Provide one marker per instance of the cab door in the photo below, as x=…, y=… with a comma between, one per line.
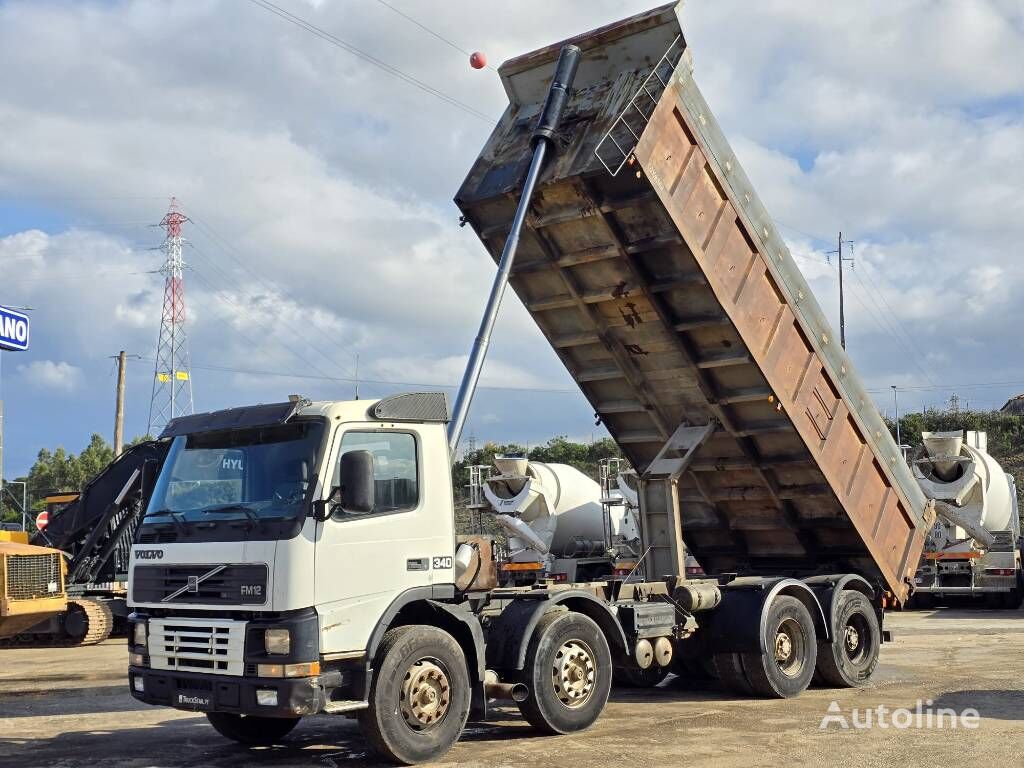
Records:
x=364, y=561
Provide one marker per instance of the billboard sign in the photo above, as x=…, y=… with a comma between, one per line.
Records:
x=13, y=330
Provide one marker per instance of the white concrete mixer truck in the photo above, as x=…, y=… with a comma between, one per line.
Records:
x=973, y=549
x=561, y=524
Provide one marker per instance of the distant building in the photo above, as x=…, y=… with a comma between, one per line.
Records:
x=1014, y=405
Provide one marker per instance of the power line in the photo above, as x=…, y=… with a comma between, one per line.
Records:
x=426, y=29
x=222, y=297
x=879, y=320
x=382, y=382
x=270, y=285
x=297, y=333
x=391, y=70
x=548, y=390
x=908, y=349
x=892, y=312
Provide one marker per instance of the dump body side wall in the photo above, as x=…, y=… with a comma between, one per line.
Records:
x=809, y=376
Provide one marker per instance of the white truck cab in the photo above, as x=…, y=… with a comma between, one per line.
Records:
x=240, y=521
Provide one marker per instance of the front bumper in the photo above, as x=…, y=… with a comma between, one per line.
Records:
x=224, y=693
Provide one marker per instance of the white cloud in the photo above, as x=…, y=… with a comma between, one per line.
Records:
x=320, y=187
x=56, y=376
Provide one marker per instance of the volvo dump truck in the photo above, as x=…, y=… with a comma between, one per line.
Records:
x=301, y=558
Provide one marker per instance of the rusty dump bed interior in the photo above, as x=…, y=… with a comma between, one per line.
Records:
x=653, y=270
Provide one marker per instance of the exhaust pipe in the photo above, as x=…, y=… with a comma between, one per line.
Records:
x=494, y=689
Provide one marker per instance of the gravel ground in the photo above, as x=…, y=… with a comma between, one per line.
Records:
x=70, y=707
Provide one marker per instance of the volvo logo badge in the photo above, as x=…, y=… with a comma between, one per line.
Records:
x=193, y=582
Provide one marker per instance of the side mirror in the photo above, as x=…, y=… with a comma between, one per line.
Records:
x=324, y=508
x=357, y=483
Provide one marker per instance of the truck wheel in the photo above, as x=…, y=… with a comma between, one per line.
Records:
x=569, y=673
x=849, y=659
x=419, y=697
x=634, y=677
x=251, y=730
x=786, y=669
x=1013, y=599
x=691, y=670
x=729, y=669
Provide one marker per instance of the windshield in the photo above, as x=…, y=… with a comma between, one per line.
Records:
x=251, y=474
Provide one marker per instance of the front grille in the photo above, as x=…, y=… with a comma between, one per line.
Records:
x=197, y=645
x=30, y=577
x=153, y=535
x=235, y=584
x=1003, y=541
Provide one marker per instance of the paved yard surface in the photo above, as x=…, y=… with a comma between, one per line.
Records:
x=70, y=707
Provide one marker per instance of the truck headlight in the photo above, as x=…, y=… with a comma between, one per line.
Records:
x=277, y=641
x=139, y=633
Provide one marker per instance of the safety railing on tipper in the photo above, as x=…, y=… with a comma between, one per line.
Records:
x=621, y=138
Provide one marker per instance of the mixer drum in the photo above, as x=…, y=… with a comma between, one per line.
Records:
x=965, y=475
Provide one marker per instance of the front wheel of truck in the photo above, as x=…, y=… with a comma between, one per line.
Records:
x=252, y=730
x=420, y=695
x=569, y=673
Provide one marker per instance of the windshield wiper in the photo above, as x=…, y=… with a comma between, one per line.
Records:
x=244, y=509
x=176, y=517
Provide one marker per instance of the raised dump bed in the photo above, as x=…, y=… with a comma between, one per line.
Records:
x=654, y=271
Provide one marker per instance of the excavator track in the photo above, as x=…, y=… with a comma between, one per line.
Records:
x=87, y=622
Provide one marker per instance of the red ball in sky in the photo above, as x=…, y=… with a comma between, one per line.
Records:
x=477, y=60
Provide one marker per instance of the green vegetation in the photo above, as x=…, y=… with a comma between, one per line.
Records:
x=58, y=470
x=557, y=450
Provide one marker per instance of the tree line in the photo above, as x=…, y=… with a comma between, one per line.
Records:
x=62, y=470
x=57, y=471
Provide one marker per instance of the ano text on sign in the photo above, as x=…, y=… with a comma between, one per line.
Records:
x=13, y=330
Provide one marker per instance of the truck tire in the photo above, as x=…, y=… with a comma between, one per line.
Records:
x=729, y=669
x=850, y=658
x=419, y=697
x=252, y=730
x=788, y=666
x=693, y=670
x=634, y=677
x=568, y=672
x=1013, y=599
x=86, y=622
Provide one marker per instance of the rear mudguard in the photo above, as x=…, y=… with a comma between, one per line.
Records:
x=738, y=624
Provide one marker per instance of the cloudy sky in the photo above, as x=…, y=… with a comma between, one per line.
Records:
x=319, y=188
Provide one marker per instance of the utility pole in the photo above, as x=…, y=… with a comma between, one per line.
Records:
x=357, y=375
x=896, y=406
x=122, y=362
x=842, y=309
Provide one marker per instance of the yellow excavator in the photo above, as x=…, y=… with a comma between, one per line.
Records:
x=31, y=583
